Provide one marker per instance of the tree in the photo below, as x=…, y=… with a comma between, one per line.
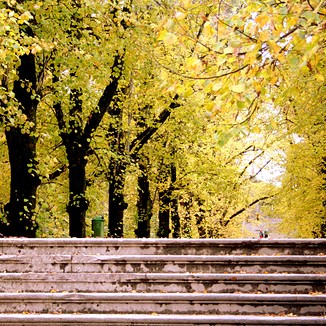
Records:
x=144, y=201
x=301, y=201
x=19, y=101
x=75, y=94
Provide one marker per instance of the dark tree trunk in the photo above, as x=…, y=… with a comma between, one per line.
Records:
x=164, y=203
x=175, y=218
x=78, y=204
x=22, y=156
x=116, y=172
x=144, y=204
x=200, y=220
x=76, y=146
x=117, y=204
x=120, y=160
x=186, y=223
x=23, y=184
x=164, y=214
x=323, y=224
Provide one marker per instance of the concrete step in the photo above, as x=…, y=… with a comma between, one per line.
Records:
x=162, y=263
x=163, y=282
x=153, y=319
x=163, y=246
x=164, y=303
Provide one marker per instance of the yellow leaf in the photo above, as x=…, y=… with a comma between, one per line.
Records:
x=35, y=48
x=239, y=88
x=262, y=19
x=256, y=130
x=161, y=35
x=185, y=3
x=26, y=16
x=216, y=87
x=275, y=48
x=228, y=50
x=209, y=31
x=320, y=77
x=291, y=21
x=264, y=36
x=170, y=39
x=180, y=15
x=192, y=63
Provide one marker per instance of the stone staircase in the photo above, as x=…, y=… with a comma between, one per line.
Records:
x=162, y=282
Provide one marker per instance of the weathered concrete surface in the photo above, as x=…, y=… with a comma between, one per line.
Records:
x=163, y=246
x=163, y=303
x=163, y=282
x=145, y=319
x=162, y=263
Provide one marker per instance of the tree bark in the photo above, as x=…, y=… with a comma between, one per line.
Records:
x=175, y=218
x=323, y=218
x=22, y=156
x=200, y=220
x=164, y=203
x=116, y=172
x=144, y=204
x=186, y=203
x=117, y=204
x=78, y=204
x=164, y=214
x=23, y=185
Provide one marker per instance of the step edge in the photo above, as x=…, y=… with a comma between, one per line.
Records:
x=155, y=318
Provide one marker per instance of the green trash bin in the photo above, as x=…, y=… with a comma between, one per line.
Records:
x=98, y=227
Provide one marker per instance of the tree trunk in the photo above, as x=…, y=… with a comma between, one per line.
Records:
x=76, y=146
x=186, y=203
x=116, y=172
x=164, y=214
x=323, y=224
x=120, y=160
x=22, y=156
x=144, y=204
x=78, y=204
x=200, y=220
x=117, y=204
x=175, y=218
x=23, y=184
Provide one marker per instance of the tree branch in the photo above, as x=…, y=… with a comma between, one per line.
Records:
x=105, y=101
x=316, y=9
x=201, y=78
x=246, y=150
x=245, y=208
x=263, y=167
x=250, y=163
x=138, y=143
x=60, y=119
x=55, y=174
